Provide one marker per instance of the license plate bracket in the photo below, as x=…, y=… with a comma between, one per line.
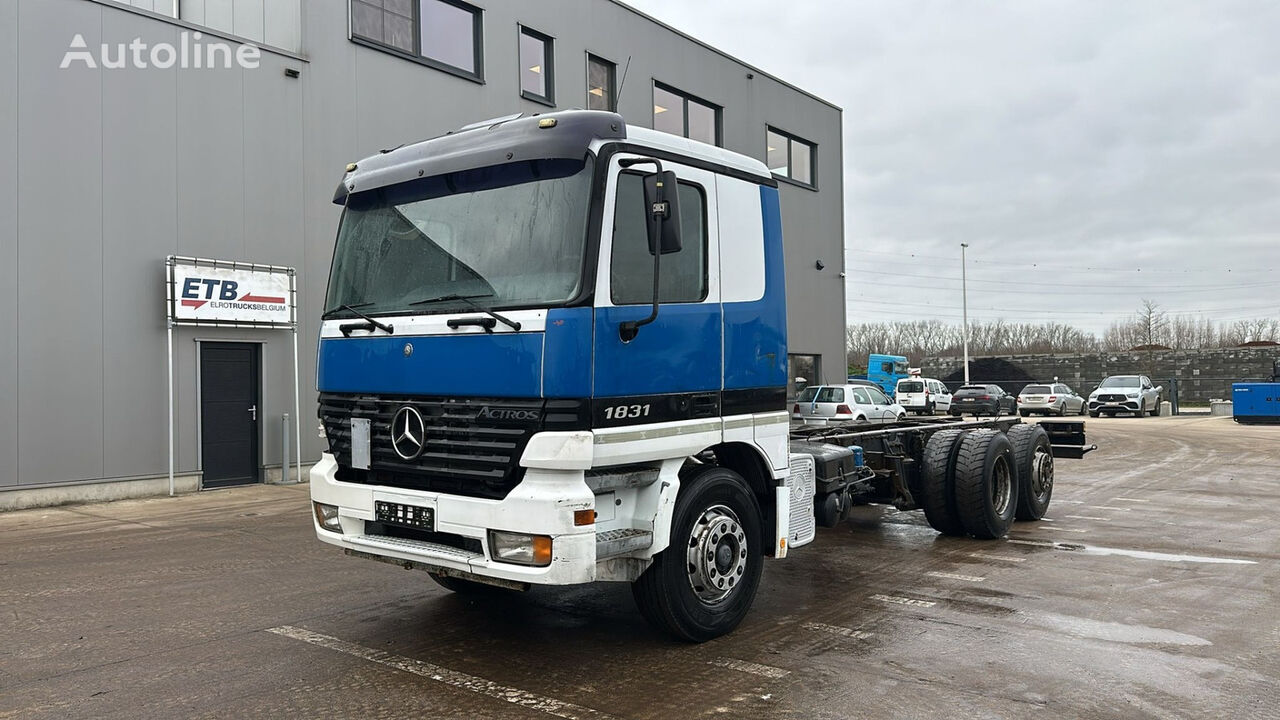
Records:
x=411, y=516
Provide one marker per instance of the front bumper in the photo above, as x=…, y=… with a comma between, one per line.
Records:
x=1126, y=406
x=542, y=504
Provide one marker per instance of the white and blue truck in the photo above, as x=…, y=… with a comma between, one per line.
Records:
x=554, y=351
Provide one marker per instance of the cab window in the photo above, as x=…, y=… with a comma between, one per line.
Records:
x=683, y=274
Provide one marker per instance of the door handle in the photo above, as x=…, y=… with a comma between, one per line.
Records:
x=253, y=411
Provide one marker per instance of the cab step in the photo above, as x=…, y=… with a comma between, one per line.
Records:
x=612, y=543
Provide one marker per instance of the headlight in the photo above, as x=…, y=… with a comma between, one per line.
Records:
x=520, y=549
x=327, y=516
x=1132, y=395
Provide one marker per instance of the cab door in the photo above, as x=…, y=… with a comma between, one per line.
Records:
x=671, y=369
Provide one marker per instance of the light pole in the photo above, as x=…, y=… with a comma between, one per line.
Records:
x=964, y=300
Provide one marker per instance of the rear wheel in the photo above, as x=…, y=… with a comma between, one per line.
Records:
x=1155, y=411
x=1033, y=458
x=702, y=585
x=938, y=499
x=986, y=484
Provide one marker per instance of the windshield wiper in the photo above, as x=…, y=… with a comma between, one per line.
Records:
x=514, y=325
x=369, y=323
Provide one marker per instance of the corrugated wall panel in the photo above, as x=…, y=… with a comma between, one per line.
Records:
x=9, y=48
x=60, y=276
x=139, y=228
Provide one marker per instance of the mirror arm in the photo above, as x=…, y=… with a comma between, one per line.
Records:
x=628, y=330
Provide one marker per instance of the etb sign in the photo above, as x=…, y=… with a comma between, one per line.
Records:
x=219, y=292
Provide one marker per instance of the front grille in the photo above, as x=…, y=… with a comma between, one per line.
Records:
x=1111, y=398
x=472, y=446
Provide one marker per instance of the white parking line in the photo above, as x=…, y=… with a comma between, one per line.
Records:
x=1001, y=558
x=1072, y=502
x=1111, y=507
x=1124, y=499
x=453, y=678
x=955, y=576
x=749, y=667
x=836, y=630
x=1139, y=554
x=1036, y=543
x=1087, y=517
x=899, y=600
x=1064, y=529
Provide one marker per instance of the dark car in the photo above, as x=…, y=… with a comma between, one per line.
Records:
x=983, y=400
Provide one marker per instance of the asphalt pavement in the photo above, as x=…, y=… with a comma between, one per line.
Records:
x=1148, y=591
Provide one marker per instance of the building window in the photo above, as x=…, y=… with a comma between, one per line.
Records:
x=272, y=23
x=789, y=157
x=537, y=67
x=678, y=113
x=683, y=276
x=803, y=371
x=600, y=87
x=445, y=34
x=387, y=22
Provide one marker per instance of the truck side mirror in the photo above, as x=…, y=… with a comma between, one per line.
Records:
x=662, y=212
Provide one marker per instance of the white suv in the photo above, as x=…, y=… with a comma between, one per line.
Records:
x=923, y=395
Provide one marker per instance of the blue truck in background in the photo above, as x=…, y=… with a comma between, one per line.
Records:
x=554, y=351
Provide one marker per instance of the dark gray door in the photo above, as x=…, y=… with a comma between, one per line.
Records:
x=229, y=411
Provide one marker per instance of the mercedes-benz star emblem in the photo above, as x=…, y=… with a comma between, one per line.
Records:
x=408, y=433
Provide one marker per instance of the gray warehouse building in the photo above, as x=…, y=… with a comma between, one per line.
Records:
x=136, y=130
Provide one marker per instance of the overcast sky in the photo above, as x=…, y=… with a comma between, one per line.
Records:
x=1091, y=153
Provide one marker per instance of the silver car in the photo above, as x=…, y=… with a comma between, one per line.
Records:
x=1125, y=393
x=835, y=404
x=1049, y=399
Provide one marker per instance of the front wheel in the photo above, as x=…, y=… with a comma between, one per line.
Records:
x=703, y=584
x=1155, y=411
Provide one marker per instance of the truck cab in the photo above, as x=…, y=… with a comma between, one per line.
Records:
x=554, y=352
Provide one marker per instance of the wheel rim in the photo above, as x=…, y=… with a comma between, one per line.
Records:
x=1001, y=486
x=1041, y=475
x=717, y=554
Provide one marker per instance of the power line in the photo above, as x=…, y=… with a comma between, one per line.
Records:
x=1080, y=286
x=1069, y=268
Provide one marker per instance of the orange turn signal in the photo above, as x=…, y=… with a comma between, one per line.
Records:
x=584, y=517
x=541, y=550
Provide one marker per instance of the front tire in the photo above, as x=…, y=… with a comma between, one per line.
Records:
x=986, y=484
x=1155, y=411
x=703, y=584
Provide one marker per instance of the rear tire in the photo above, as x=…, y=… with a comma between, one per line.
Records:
x=1155, y=411
x=702, y=585
x=1033, y=458
x=938, y=486
x=986, y=484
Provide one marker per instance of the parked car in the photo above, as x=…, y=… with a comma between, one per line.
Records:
x=1049, y=399
x=982, y=400
x=833, y=404
x=1125, y=393
x=923, y=395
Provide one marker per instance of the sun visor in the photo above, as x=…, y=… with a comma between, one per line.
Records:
x=557, y=136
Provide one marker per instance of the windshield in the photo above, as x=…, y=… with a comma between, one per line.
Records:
x=1036, y=390
x=910, y=386
x=1121, y=381
x=510, y=235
